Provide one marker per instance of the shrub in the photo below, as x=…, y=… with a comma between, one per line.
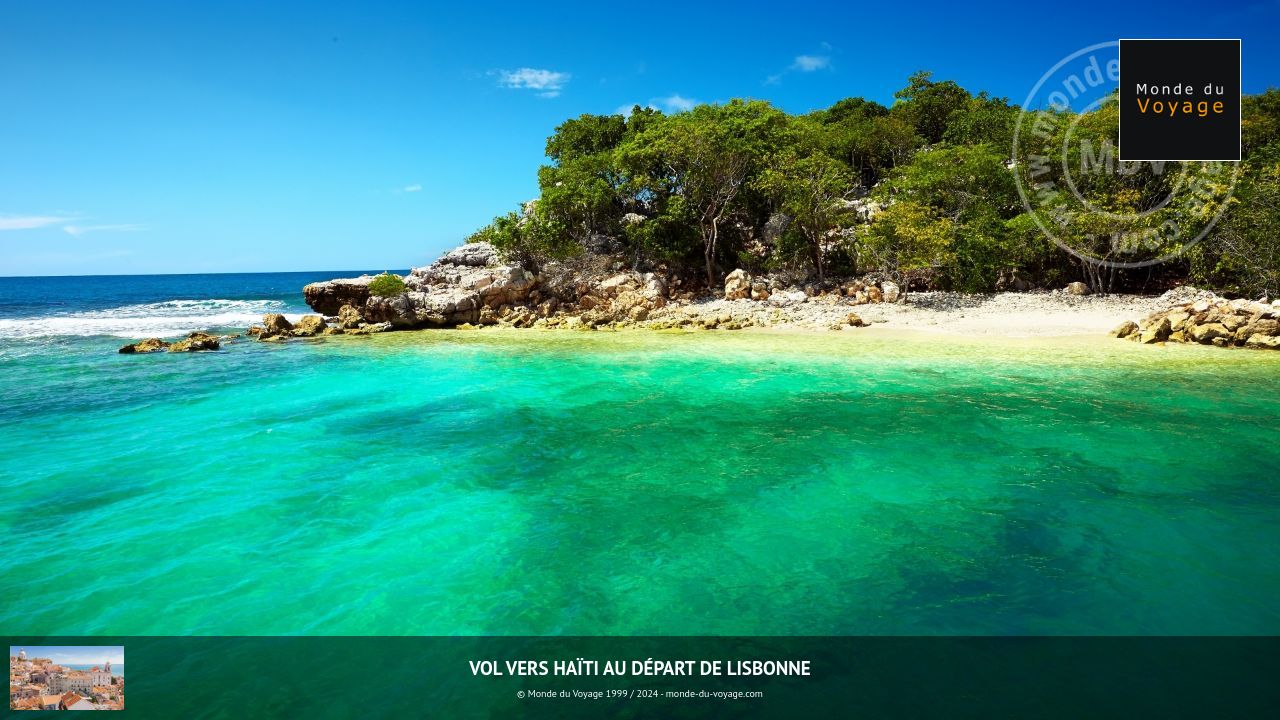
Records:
x=386, y=285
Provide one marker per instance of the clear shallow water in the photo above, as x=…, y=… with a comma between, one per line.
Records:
x=638, y=483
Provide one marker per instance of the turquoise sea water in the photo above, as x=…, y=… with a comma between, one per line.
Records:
x=455, y=482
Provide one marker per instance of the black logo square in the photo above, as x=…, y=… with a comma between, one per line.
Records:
x=1180, y=100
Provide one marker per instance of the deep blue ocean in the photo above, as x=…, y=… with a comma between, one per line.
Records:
x=137, y=306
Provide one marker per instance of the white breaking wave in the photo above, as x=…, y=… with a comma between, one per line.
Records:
x=162, y=319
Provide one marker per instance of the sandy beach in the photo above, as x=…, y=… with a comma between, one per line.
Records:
x=1010, y=315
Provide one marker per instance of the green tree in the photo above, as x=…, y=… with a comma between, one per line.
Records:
x=1260, y=116
x=706, y=157
x=928, y=105
x=530, y=238
x=810, y=188
x=985, y=120
x=586, y=135
x=906, y=238
x=1243, y=252
x=972, y=187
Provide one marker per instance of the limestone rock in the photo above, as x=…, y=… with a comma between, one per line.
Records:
x=474, y=270
x=1263, y=342
x=437, y=306
x=370, y=329
x=875, y=294
x=1156, y=332
x=1204, y=318
x=737, y=285
x=477, y=254
x=310, y=325
x=655, y=289
x=349, y=317
x=145, y=346
x=1207, y=333
x=195, y=342
x=328, y=297
x=784, y=298
x=276, y=324
x=1125, y=329
x=1077, y=288
x=890, y=290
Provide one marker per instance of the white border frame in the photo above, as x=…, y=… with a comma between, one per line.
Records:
x=1239, y=103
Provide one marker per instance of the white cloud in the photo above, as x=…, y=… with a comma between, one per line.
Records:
x=549, y=83
x=804, y=64
x=118, y=227
x=416, y=187
x=676, y=103
x=28, y=222
x=811, y=63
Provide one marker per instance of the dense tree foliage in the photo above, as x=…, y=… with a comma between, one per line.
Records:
x=924, y=191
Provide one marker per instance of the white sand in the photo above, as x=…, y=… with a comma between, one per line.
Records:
x=1011, y=314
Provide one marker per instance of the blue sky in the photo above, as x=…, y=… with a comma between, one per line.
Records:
x=74, y=654
x=145, y=137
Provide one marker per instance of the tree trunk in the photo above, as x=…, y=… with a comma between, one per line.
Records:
x=815, y=251
x=709, y=253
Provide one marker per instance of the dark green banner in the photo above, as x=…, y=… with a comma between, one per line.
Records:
x=347, y=677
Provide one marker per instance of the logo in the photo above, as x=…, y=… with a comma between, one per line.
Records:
x=1106, y=211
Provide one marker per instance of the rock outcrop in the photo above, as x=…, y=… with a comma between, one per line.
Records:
x=348, y=318
x=275, y=324
x=1216, y=321
x=737, y=285
x=196, y=342
x=473, y=286
x=193, y=342
x=309, y=326
x=328, y=297
x=451, y=291
x=149, y=345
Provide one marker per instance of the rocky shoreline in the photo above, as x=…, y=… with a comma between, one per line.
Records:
x=1209, y=320
x=471, y=287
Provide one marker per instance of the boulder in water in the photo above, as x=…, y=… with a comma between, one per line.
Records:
x=310, y=325
x=196, y=342
x=145, y=346
x=275, y=324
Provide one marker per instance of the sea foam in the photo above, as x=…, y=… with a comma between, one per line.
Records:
x=160, y=319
